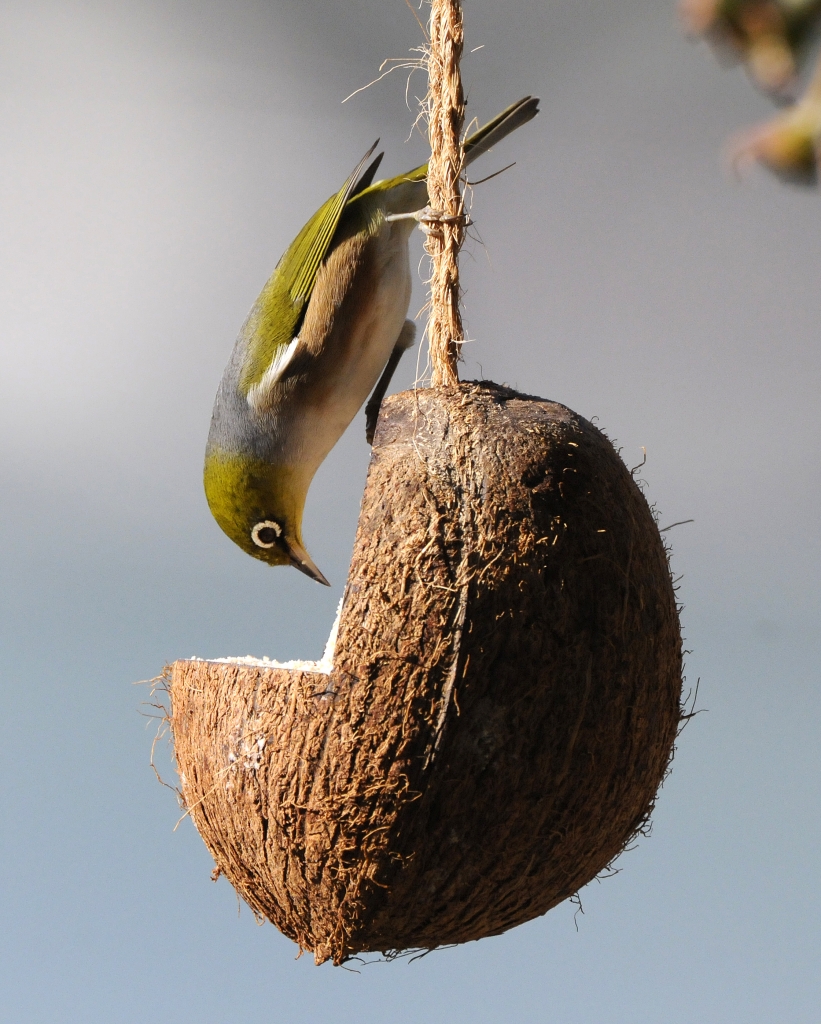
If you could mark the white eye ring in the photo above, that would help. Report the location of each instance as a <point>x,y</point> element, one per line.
<point>267,524</point>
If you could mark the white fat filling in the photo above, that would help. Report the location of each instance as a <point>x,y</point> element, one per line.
<point>324,665</point>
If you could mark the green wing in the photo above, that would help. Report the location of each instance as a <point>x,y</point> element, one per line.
<point>277,315</point>
<point>276,318</point>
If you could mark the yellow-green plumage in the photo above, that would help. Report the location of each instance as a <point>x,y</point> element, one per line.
<point>326,325</point>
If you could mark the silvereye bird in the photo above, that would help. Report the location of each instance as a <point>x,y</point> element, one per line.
<point>329,321</point>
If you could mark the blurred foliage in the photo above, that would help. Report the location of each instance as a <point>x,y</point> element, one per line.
<point>788,144</point>
<point>775,40</point>
<point>771,37</point>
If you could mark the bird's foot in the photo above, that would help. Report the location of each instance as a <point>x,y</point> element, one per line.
<point>431,220</point>
<point>403,343</point>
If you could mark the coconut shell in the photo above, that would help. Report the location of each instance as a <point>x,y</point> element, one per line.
<point>503,700</point>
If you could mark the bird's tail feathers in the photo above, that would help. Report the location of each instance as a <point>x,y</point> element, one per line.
<point>405,198</point>
<point>500,127</point>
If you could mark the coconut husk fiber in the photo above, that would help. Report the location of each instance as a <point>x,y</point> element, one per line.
<point>502,702</point>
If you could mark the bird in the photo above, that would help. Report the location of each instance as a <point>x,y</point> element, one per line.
<point>330,320</point>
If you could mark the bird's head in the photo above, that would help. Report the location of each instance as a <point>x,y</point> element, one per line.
<point>259,506</point>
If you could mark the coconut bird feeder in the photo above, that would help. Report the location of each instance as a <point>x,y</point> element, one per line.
<point>491,724</point>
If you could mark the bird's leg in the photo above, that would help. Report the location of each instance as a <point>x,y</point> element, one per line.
<point>403,343</point>
<point>429,220</point>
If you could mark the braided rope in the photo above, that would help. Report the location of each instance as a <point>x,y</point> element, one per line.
<point>446,113</point>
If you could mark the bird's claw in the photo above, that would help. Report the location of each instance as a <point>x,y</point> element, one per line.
<point>430,221</point>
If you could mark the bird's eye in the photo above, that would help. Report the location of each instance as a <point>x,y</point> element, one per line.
<point>266,534</point>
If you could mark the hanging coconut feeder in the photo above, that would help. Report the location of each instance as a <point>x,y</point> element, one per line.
<point>499,709</point>
<point>491,724</point>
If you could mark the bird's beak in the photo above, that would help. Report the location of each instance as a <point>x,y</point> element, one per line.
<point>301,560</point>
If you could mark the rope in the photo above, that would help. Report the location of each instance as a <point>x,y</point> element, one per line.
<point>446,113</point>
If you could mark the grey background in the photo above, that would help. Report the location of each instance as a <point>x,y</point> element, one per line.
<point>157,157</point>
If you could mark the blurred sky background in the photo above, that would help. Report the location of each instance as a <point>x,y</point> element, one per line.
<point>156,159</point>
